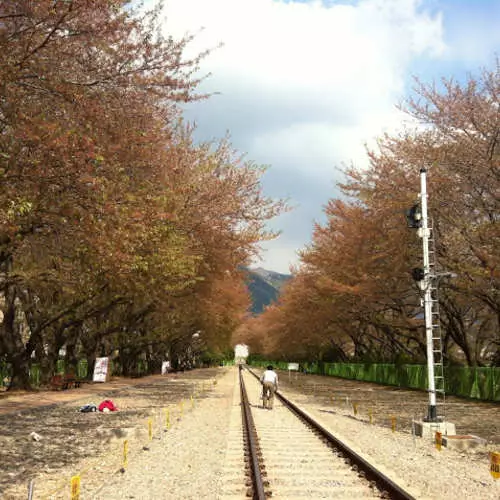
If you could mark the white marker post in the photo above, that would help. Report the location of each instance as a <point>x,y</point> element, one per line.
<point>292,367</point>
<point>427,281</point>
<point>425,234</point>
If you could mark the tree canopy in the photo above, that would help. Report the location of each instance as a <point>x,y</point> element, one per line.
<point>119,235</point>
<point>353,297</point>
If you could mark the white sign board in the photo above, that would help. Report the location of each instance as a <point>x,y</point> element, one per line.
<point>101,370</point>
<point>293,367</point>
<point>165,367</point>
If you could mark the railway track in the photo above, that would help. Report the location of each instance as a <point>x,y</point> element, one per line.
<point>289,455</point>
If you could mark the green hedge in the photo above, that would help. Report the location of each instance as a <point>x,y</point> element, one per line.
<point>471,382</point>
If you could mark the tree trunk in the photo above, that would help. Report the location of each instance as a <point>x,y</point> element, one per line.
<point>128,362</point>
<point>70,359</point>
<point>89,344</point>
<point>20,372</point>
<point>15,351</point>
<point>91,357</point>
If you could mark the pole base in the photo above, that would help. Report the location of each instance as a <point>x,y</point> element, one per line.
<point>429,429</point>
<point>432,415</point>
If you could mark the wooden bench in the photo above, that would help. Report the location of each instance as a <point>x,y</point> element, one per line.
<point>72,381</point>
<point>57,382</point>
<point>63,382</point>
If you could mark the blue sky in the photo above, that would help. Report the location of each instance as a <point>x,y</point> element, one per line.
<point>304,85</point>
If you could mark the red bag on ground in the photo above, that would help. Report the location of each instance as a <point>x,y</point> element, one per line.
<point>107,404</point>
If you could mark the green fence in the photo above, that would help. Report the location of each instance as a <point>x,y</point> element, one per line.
<point>471,382</point>
<point>410,376</point>
<point>5,371</point>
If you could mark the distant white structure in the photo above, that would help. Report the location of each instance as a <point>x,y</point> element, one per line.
<point>240,354</point>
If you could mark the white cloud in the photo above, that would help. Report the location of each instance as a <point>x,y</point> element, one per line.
<point>304,85</point>
<point>308,45</point>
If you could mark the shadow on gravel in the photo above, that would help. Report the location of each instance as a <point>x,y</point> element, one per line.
<point>68,436</point>
<point>384,402</point>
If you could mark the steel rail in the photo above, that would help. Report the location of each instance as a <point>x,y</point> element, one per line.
<point>384,483</point>
<point>249,430</point>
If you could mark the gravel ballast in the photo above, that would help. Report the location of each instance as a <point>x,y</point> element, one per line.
<point>189,459</point>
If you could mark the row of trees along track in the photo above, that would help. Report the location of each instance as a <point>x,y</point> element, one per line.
<point>118,234</point>
<point>353,296</point>
<point>289,459</point>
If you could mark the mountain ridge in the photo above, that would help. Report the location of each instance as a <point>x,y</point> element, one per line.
<point>264,286</point>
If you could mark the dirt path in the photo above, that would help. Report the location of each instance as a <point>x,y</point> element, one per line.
<point>71,441</point>
<point>20,401</point>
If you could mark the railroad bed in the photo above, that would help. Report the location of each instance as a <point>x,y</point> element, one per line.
<point>295,461</point>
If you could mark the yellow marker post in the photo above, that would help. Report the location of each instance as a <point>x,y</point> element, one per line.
<point>495,464</point>
<point>167,419</point>
<point>355,408</point>
<point>393,424</point>
<point>75,488</point>
<point>439,440</point>
<point>125,453</point>
<point>150,428</point>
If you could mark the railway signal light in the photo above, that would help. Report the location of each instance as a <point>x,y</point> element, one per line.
<point>414,216</point>
<point>418,274</point>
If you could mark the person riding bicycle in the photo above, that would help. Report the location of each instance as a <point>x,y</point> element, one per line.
<point>269,381</point>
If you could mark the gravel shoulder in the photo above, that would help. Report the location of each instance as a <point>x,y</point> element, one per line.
<point>411,461</point>
<point>91,445</point>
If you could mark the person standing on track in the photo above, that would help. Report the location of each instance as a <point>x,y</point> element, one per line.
<point>269,381</point>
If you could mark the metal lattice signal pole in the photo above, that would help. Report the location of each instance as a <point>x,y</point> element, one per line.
<point>425,233</point>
